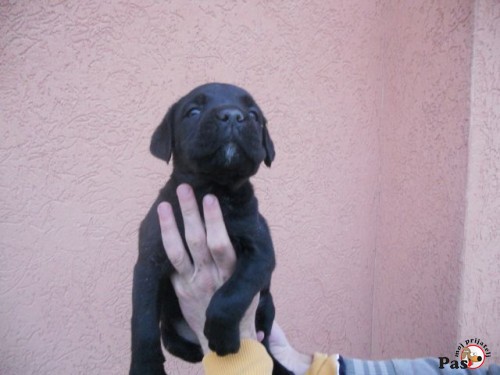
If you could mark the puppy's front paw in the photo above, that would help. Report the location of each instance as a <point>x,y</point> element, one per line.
<point>222,339</point>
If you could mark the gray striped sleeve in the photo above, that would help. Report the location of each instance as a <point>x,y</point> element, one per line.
<point>420,366</point>
<point>357,366</point>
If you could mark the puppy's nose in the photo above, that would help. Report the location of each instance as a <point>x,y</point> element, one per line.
<point>229,115</point>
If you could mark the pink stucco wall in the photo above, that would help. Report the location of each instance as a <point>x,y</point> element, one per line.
<point>423,158</point>
<point>480,286</point>
<point>374,213</point>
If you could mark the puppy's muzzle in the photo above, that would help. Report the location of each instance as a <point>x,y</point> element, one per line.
<point>232,122</point>
<point>230,115</point>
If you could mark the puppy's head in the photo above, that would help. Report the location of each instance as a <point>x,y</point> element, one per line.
<point>217,131</point>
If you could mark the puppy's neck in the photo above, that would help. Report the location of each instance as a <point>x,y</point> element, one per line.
<point>217,185</point>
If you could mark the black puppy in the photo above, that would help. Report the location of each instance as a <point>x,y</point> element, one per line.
<point>218,138</point>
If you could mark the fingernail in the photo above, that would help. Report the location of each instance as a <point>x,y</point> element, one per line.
<point>209,199</point>
<point>164,210</point>
<point>184,191</point>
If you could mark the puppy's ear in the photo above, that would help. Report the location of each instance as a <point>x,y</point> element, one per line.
<point>162,141</point>
<point>268,145</point>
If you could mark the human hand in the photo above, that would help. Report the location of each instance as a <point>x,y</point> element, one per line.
<point>213,260</point>
<point>281,349</point>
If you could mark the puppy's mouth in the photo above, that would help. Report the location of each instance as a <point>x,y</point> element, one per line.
<point>228,144</point>
<point>226,160</point>
<point>224,151</point>
<point>231,153</point>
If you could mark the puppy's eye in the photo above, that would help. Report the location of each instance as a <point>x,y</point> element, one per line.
<point>193,112</point>
<point>253,115</point>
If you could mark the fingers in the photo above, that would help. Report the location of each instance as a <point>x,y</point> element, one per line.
<point>214,244</point>
<point>218,241</point>
<point>195,230</point>
<point>172,241</point>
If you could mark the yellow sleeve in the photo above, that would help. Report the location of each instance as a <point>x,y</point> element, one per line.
<point>251,359</point>
<point>323,364</point>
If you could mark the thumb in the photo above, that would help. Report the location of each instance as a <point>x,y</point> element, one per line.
<point>260,336</point>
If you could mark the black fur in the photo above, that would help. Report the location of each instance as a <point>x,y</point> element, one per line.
<point>217,136</point>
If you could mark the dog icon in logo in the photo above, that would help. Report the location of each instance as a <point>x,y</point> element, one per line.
<point>474,355</point>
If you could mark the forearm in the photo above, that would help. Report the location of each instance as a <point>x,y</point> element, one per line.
<point>253,359</point>
<point>417,366</point>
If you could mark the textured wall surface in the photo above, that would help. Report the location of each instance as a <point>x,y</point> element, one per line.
<point>423,177</point>
<point>368,105</point>
<point>84,84</point>
<point>480,309</point>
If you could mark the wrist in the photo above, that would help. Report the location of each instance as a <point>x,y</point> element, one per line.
<point>295,361</point>
<point>302,362</point>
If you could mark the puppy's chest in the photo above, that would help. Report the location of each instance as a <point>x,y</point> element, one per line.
<point>241,222</point>
<point>230,208</point>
